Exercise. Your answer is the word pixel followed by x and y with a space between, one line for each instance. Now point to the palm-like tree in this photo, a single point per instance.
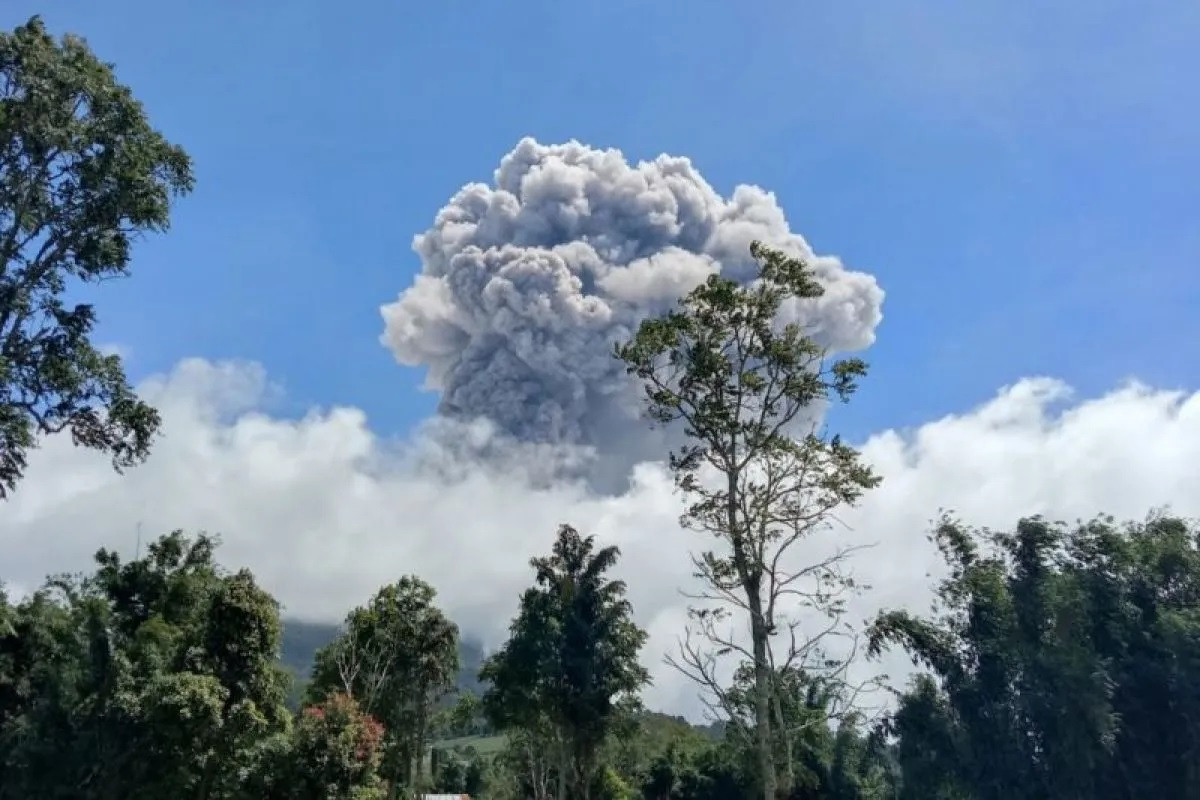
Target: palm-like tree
pixel 571 658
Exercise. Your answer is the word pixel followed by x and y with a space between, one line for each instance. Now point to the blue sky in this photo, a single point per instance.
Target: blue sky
pixel 1021 181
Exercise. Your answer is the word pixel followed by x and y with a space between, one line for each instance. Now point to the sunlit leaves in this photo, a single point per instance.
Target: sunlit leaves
pixel 1065 663
pixel 571 657
pixel 396 656
pixel 82 176
pixel 146 679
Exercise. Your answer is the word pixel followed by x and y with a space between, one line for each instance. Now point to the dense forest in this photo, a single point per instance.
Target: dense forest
pixel 1060 660
pixel 1063 663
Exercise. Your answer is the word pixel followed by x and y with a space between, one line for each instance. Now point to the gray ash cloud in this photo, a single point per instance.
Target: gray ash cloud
pixel 526 284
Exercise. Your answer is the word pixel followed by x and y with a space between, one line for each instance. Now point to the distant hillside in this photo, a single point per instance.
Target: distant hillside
pixel 713 731
pixel 302 640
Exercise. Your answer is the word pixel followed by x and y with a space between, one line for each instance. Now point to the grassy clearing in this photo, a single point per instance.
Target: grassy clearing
pixel 484 745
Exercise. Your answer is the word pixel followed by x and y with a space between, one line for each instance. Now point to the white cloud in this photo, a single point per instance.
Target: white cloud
pixel 325 512
pixel 115 349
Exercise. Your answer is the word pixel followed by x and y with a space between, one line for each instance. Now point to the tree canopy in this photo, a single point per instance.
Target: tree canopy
pixel 396 657
pixel 746 384
pixel 1064 663
pixel 82 176
pixel 571 659
pixel 151 678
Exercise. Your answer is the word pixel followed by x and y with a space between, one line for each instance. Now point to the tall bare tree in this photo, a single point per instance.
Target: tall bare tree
pixel 758 473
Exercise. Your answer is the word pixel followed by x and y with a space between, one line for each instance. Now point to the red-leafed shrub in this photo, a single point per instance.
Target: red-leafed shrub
pixel 336 751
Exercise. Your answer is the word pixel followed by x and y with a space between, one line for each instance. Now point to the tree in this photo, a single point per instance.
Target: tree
pixel 645 738
pixel 461 770
pixel 821 752
pixel 531 761
pixel 241 642
pixel 1064 664
pixel 800 724
pixel 153 678
pixel 708 771
pixel 758 475
pixel 571 660
pixel 396 657
pixel 82 175
pixel 463 718
pixel 335 754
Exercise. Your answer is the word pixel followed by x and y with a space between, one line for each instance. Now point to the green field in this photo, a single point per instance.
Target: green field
pixel 484 745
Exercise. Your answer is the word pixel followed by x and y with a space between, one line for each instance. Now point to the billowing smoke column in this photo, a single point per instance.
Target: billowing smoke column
pixel 527 284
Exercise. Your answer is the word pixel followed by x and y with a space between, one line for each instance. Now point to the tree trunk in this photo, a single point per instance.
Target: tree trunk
pixel 762 697
pixel 564 767
pixel 583 775
pixel 785 738
pixel 206 779
pixel 419 766
pixel 537 773
pixel 750 575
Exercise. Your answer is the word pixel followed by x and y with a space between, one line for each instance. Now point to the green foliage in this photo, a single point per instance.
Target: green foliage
pixel 757 476
pixel 302 640
pixel 609 785
pixel 689 769
pixel 530 765
pixel 335 754
pixel 151 678
pixel 396 657
pixel 1065 664
pixel 460 770
pixel 636 745
pixel 82 175
pixel 570 661
pixel 820 750
pixel 465 718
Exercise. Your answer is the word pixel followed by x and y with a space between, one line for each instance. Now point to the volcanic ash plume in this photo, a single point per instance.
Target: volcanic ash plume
pixel 526 285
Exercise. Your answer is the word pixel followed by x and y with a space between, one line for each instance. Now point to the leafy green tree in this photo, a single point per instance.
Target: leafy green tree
pixel 241 640
pixel 714 771
pixel 464 718
pixel 396 657
pixel 1064 664
pixel 758 475
pixel 800 724
pixel 821 752
pixel 638 743
pixel 335 754
pixel 529 766
pixel 570 661
pixel 147 679
pixel 459 771
pixel 82 176
pixel 672 775
pixel 6 612
pixel 858 767
pixel 607 784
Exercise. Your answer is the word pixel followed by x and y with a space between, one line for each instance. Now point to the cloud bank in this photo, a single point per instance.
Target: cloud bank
pixel 324 511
